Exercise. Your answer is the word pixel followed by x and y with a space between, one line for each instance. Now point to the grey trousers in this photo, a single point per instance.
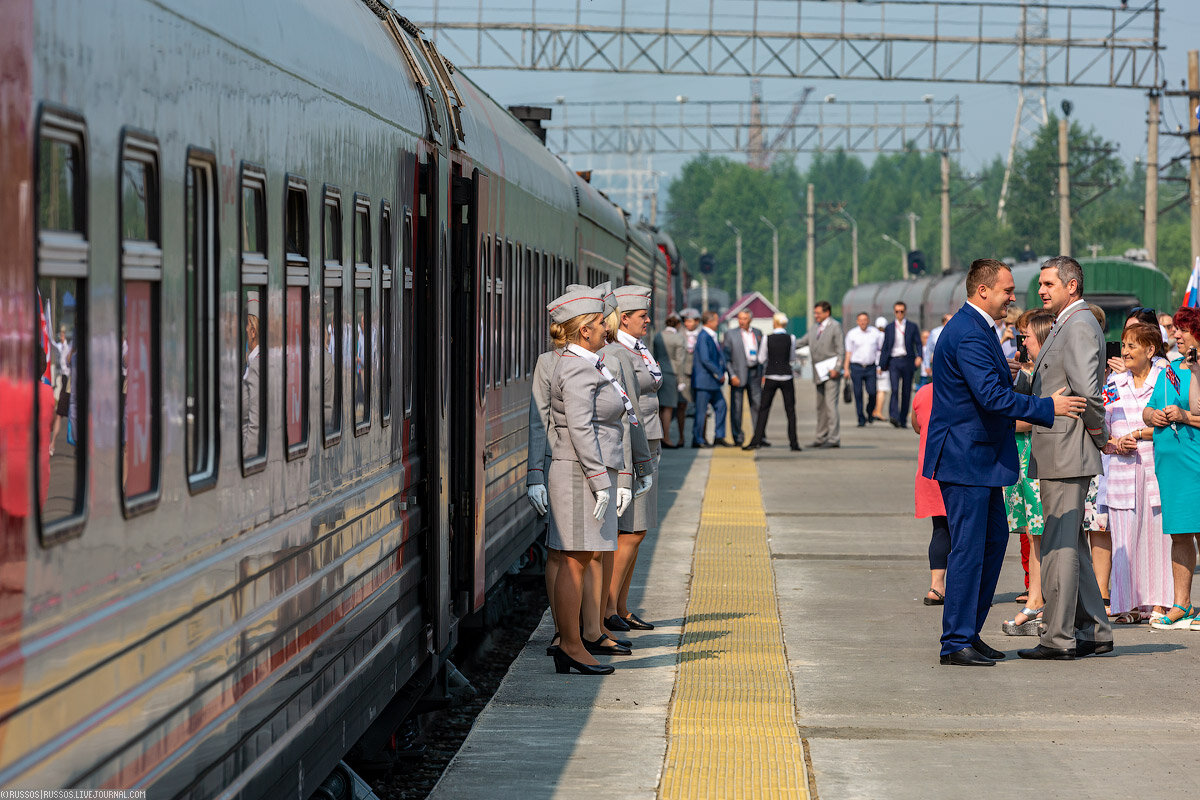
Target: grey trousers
pixel 829 424
pixel 1074 607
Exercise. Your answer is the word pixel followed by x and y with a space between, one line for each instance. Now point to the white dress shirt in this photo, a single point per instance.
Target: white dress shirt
pixel 753 357
pixel 991 323
pixel 863 346
pixel 898 349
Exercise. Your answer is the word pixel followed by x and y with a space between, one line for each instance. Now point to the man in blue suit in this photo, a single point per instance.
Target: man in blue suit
pixel 970 450
pixel 708 376
pixel 900 356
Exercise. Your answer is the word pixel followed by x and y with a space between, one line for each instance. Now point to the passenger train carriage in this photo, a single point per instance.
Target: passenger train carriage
pixel 1115 284
pixel 287 268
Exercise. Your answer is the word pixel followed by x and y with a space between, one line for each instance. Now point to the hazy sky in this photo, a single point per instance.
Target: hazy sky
pixel 988 110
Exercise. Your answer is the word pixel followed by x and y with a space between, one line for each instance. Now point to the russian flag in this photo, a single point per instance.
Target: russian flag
pixel 1191 295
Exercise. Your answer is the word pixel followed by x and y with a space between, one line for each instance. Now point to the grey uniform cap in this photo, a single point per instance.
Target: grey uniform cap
pixel 632 298
pixel 689 313
pixel 575 303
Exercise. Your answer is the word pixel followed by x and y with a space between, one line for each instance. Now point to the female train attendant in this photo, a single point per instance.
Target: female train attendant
pixel 584 430
pixel 625 327
pixel 599 573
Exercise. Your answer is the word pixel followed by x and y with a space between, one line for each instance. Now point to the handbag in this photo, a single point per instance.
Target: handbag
pixel 847 394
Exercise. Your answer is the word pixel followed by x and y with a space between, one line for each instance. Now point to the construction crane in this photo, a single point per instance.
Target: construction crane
pixel 760 156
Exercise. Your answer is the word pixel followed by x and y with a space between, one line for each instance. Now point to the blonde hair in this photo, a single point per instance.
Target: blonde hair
pixel 779 320
pixel 564 333
pixel 612 324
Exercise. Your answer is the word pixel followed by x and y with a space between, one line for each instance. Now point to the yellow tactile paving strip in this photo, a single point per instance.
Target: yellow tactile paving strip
pixel 732 727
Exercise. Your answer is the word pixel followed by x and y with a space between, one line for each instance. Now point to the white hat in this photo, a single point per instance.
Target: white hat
pixel 880 322
pixel 584 300
pixel 252 304
pixel 632 298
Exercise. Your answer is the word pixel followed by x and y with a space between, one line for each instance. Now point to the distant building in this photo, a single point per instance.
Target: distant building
pixel 758 306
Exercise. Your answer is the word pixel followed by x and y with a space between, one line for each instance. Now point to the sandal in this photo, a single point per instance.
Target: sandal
pixel 940 600
pixel 1165 623
pixel 1022 598
pixel 1127 618
pixel 1027 628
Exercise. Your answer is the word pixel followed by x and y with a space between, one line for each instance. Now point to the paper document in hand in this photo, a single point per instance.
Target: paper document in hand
pixel 824 367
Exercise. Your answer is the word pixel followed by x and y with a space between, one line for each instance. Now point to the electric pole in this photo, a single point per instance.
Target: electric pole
pixel 1194 145
pixel 912 230
pixel 738 232
pixel 810 282
pixel 1064 191
pixel 1151 233
pixel 945 212
pixel 774 261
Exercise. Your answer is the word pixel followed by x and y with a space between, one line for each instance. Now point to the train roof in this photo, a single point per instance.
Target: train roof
pixel 597 208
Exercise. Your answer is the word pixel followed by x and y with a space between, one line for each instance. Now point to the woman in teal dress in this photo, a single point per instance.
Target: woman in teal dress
pixel 1174 413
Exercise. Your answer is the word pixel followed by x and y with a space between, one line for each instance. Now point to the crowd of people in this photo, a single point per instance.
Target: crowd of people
pixel 1090 453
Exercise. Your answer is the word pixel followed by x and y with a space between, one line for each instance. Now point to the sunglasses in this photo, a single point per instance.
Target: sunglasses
pixel 1139 309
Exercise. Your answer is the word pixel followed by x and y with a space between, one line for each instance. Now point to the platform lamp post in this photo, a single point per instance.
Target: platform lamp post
pixel 738 233
pixel 853 246
pixel 700 251
pixel 774 261
pixel 903 257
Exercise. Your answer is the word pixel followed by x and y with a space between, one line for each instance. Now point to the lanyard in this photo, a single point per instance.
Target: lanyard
pixel 598 363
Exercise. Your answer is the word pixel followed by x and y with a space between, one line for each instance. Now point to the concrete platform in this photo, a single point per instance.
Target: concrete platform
pixel 878 717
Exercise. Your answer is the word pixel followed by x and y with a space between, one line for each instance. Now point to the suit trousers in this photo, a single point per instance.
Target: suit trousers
pixel 788 390
pixel 978 538
pixel 829 422
pixel 862 379
pixel 753 388
pixel 1074 607
pixel 901 370
pixel 704 397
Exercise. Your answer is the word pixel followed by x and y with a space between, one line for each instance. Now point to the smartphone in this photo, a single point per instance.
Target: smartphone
pixel 1022 351
pixel 1191 356
pixel 1112 350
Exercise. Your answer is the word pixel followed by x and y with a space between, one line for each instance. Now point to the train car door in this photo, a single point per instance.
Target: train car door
pixel 469 222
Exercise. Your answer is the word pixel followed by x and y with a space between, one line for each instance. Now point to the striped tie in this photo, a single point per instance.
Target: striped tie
pixel 651 364
pixel 598 363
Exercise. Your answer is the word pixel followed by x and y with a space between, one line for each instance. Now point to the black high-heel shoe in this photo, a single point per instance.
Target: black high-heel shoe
pixel 552 648
pixel 636 623
pixel 615 623
pixel 598 648
pixel 563 664
pixel 622 642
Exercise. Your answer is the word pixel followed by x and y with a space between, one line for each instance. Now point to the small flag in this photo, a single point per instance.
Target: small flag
pixel 1110 393
pixel 1191 295
pixel 45 336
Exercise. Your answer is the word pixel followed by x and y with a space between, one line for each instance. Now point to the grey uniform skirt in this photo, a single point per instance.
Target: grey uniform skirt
pixel 668 393
pixel 572 526
pixel 642 513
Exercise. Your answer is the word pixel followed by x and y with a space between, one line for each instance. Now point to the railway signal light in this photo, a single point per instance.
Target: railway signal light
pixel 916 262
pixel 707 263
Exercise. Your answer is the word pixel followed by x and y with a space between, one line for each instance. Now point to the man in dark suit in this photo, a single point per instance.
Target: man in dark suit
pixel 971 452
pixel 900 356
pixel 745 356
pixel 708 375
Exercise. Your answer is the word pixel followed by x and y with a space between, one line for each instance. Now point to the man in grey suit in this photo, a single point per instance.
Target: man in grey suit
pixel 1064 459
pixel 825 341
pixel 744 353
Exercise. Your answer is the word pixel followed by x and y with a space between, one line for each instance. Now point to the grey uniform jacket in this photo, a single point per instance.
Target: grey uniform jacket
pixel 641 386
pixel 586 417
pixel 1073 356
pixel 538 458
pixel 662 354
pixel 826 343
pixel 735 353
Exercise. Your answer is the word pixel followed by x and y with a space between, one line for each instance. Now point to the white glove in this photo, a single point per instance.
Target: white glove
pixel 538 498
pixel 643 485
pixel 601 505
pixel 683 387
pixel 624 498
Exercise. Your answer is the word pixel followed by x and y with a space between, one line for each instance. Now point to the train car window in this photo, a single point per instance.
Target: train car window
pixel 331 316
pixel 386 259
pixel 363 328
pixel 252 396
pixel 497 282
pixel 200 261
pixel 295 318
pixel 406 313
pixel 141 331
pixel 507 290
pixel 485 313
pixel 62 291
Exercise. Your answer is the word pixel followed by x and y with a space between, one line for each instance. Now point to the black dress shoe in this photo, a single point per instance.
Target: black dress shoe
pixel 832 445
pixel 796 448
pixel 1043 653
pixel 816 445
pixel 605 646
pixel 1083 648
pixel 895 423
pixel 721 443
pixel 986 650
pixel 764 443
pixel 637 623
pixel 967 657
pixel 563 664
pixel 699 445
pixel 751 446
pixel 615 623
